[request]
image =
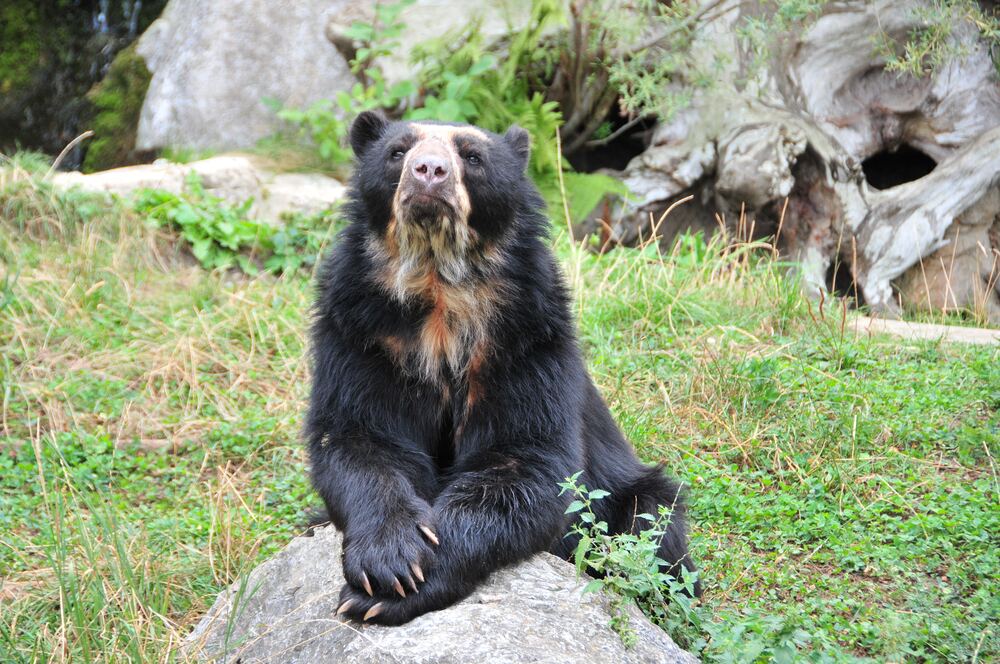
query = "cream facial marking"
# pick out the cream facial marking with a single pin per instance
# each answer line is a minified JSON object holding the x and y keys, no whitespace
{"x":440,"y":139}
{"x":447,"y":132}
{"x":429,"y":258}
{"x":420,"y":237}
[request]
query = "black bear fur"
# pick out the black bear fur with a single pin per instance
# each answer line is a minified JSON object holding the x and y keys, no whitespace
{"x":449,"y":394}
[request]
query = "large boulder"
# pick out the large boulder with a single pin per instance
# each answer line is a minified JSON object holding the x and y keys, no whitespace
{"x":215,"y":63}
{"x":285,"y":611}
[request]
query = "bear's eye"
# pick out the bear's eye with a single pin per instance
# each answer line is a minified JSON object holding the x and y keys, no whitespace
{"x":397,"y":155}
{"x":473,"y":159}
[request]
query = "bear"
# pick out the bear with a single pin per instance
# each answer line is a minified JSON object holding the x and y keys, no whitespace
{"x":449,"y":394}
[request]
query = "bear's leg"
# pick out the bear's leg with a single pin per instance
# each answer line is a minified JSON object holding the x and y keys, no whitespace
{"x":375,"y":495}
{"x":501,"y":508}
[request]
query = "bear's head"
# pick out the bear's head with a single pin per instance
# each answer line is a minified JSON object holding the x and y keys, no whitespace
{"x":438,"y":192}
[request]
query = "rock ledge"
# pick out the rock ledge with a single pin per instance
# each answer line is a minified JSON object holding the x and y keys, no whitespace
{"x":533,"y":612}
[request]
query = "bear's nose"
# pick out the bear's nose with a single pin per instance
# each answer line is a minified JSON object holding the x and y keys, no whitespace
{"x":430,"y":168}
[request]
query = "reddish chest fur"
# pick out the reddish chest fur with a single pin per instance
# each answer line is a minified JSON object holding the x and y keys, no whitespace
{"x":451,"y":333}
{"x":437,"y":335}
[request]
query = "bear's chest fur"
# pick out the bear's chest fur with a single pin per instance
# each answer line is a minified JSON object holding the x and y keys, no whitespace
{"x":450,"y":336}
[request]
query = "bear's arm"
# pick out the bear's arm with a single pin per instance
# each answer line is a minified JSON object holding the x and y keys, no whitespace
{"x":501,"y":504}
{"x":361,"y":430}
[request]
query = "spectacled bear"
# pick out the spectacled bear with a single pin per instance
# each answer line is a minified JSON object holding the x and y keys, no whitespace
{"x":449,"y":394}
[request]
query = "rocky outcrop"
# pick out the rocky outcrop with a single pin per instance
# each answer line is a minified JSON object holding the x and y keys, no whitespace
{"x":215,"y":63}
{"x":284,"y":611}
{"x":234,"y":178}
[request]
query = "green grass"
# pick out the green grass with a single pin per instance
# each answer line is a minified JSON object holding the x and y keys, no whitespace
{"x":841,"y":487}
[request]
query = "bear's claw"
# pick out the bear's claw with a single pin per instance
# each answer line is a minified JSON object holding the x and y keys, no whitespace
{"x":372,"y":612}
{"x":430,"y":535}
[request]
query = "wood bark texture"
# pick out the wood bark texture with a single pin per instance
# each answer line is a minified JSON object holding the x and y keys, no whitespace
{"x":787,"y":150}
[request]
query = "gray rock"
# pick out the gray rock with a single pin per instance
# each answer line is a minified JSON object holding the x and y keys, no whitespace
{"x":534,"y":612}
{"x":213,"y":64}
{"x":234,"y":178}
{"x":308,"y":193}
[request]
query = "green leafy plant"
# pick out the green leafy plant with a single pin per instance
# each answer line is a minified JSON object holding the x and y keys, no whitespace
{"x":217,"y":232}
{"x":300,"y":239}
{"x":377,"y":39}
{"x":223,"y":235}
{"x":454,"y":101}
{"x":628,"y":566}
{"x":326,"y":122}
{"x":325,"y":127}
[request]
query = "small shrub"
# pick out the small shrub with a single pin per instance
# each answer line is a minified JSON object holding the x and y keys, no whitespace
{"x":223,"y":236}
{"x":628,"y":566}
{"x":326,"y":122}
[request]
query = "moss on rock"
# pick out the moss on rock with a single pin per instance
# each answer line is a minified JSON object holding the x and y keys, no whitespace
{"x":20,"y":34}
{"x":117,"y":102}
{"x":51,"y":54}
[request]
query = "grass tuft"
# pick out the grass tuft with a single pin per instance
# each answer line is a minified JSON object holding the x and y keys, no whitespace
{"x":844,"y":491}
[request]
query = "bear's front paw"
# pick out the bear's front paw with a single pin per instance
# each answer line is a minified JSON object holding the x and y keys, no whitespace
{"x":390,"y":557}
{"x":358,"y":605}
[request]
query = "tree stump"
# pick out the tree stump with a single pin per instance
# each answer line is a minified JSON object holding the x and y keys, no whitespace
{"x":890,"y":179}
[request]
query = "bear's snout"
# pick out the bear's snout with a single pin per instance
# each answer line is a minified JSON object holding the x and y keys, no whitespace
{"x":428,"y":189}
{"x":431,"y":169}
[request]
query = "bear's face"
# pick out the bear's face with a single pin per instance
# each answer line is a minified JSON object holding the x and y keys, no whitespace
{"x":440,"y":187}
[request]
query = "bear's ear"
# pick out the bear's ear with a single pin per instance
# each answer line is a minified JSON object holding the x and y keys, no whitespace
{"x":520,"y":143}
{"x":366,"y":129}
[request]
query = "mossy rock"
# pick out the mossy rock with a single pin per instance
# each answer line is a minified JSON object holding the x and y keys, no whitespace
{"x":51,"y":54}
{"x":117,"y":102}
{"x":20,"y":33}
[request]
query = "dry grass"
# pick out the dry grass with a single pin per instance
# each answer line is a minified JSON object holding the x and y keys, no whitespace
{"x":109,"y":329}
{"x":150,"y":415}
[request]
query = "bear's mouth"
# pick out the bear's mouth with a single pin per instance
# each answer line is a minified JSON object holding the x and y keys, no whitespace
{"x":420,"y":205}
